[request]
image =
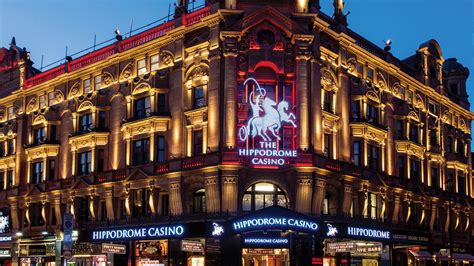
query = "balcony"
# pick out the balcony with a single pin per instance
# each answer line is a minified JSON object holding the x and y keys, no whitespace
{"x":188,"y":163}
{"x":42,"y":150}
{"x":409,"y":147}
{"x":155,"y":122}
{"x":371,"y":122}
{"x":89,"y":139}
{"x":368,"y":131}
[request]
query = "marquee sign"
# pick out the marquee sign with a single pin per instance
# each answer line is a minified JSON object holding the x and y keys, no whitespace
{"x":266,"y":123}
{"x":137,"y":233}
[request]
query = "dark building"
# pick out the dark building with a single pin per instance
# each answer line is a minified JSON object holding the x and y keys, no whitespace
{"x":242,"y":132}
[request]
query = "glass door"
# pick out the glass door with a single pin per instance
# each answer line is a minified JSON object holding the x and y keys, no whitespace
{"x":265,"y":257}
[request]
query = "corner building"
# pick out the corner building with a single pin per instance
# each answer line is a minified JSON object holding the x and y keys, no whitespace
{"x":241,"y":133}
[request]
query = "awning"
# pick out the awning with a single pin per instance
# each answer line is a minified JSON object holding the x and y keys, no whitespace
{"x":463,"y":257}
{"x":421,"y":255}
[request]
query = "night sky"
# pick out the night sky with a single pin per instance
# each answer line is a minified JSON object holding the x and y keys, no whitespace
{"x":46,"y":27}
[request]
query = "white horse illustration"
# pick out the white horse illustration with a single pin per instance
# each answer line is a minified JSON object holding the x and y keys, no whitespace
{"x":259,"y":125}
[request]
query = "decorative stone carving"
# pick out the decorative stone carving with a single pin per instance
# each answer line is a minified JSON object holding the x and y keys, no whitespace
{"x":107,"y":79}
{"x":372,"y":95}
{"x":85,"y":106}
{"x":58,"y":96}
{"x":32,"y":105}
{"x":140,"y":88}
{"x":352,"y":65}
{"x":126,"y":72}
{"x":74,"y":91}
{"x":166,"y":59}
{"x":381,"y":83}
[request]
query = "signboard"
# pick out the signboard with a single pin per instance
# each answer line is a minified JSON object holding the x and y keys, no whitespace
{"x":68,"y":225}
{"x":353,"y":247}
{"x":410,"y":238}
{"x":368,"y":233}
{"x":5,"y":238}
{"x":267,"y":123}
{"x":192,"y":246}
{"x":114,"y":248}
{"x":274,"y":222}
{"x":259,"y":251}
{"x":340,"y":247}
{"x":4,"y":221}
{"x":270,"y":242}
{"x":37,"y":250}
{"x":136,"y":233}
{"x":5,"y":252}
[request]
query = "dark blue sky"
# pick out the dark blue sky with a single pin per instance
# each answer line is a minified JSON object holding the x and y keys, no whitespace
{"x":46,"y":27}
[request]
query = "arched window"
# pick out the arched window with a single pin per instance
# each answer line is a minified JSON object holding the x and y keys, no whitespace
{"x":262,"y":195}
{"x":199,"y":201}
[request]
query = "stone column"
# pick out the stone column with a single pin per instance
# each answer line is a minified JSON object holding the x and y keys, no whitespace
{"x":176,"y":101}
{"x":304,"y":193}
{"x":57,"y":209}
{"x":303,"y":55}
{"x":316,"y":108}
{"x":213,"y":90}
{"x":230,"y":40}
{"x":109,"y":203}
{"x":176,"y":206}
{"x":213,"y":204}
{"x":319,"y":193}
{"x":230,"y":193}
{"x":20,"y":163}
{"x":347,"y":200}
{"x":13,"y":203}
{"x":396,"y":208}
{"x":343,"y":110}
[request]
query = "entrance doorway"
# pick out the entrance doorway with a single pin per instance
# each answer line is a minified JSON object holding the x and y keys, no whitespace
{"x":265,"y":257}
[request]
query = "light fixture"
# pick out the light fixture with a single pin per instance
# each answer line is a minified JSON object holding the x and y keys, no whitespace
{"x":118,"y":35}
{"x":19,"y":234}
{"x":45,"y":233}
{"x":388,"y":45}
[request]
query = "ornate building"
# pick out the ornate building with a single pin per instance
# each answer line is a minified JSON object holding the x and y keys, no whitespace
{"x":241,"y":133}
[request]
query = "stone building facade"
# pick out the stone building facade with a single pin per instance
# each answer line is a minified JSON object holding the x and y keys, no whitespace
{"x":239,"y":109}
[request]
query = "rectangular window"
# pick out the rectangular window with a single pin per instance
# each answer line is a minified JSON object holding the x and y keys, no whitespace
{"x":401,"y":166}
{"x":356,"y":111}
{"x":154,"y":61}
{"x":11,"y":112}
{"x":414,"y":170}
{"x":165,"y":205}
{"x":370,"y":73}
{"x":357,"y":152}
{"x":198,"y":97}
{"x":327,"y":145}
{"x":410,"y":96}
{"x":11,"y":146}
{"x":2,"y":149}
{"x":141,"y":151}
{"x":87,"y":86}
{"x":84,"y":163}
{"x":461,"y":184}
{"x":38,"y":136}
{"x":85,"y":122}
{"x":434,"y":177}
{"x":102,"y":123}
{"x":142,"y":108}
{"x":37,"y":172}
{"x":103,"y":211}
{"x":414,"y":133}
{"x":327,"y":104}
{"x":373,"y":157}
{"x":372,"y":114}
{"x":141,"y":67}
{"x":83,"y":209}
{"x":35,"y":214}
{"x":42,"y":101}
{"x":51,"y":169}
{"x":373,"y":206}
{"x":400,"y":129}
{"x":51,"y":98}
{"x":449,"y":144}
{"x":360,"y":69}
{"x":2,"y":180}
{"x":161,"y":103}
{"x":100,"y":160}
{"x":433,"y":108}
{"x":9,"y":181}
{"x":326,"y":206}
{"x":197,"y":142}
{"x":97,"y":82}
{"x":160,"y":149}
{"x":52,"y":133}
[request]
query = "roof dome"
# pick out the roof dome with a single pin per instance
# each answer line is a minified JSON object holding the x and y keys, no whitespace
{"x":451,"y":65}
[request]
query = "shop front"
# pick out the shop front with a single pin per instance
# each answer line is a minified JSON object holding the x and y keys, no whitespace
{"x":6,"y":250}
{"x":37,"y":253}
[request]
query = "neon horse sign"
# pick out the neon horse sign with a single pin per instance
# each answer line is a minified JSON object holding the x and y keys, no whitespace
{"x":271,"y":121}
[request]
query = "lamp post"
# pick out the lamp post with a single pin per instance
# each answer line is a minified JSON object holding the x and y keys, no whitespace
{"x":449,"y":186}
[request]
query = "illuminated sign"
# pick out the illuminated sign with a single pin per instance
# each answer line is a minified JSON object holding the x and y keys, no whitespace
{"x":5,"y":252}
{"x":4,"y":221}
{"x":155,"y":232}
{"x":332,"y":231}
{"x":266,"y":242}
{"x":353,"y":247}
{"x":266,"y":123}
{"x":217,"y":230}
{"x":192,"y":246}
{"x":5,"y":238}
{"x":274,"y":223}
{"x":114,"y":248}
{"x":365,"y":232}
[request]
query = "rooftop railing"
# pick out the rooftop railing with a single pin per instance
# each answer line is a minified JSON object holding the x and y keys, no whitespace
{"x":94,"y":55}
